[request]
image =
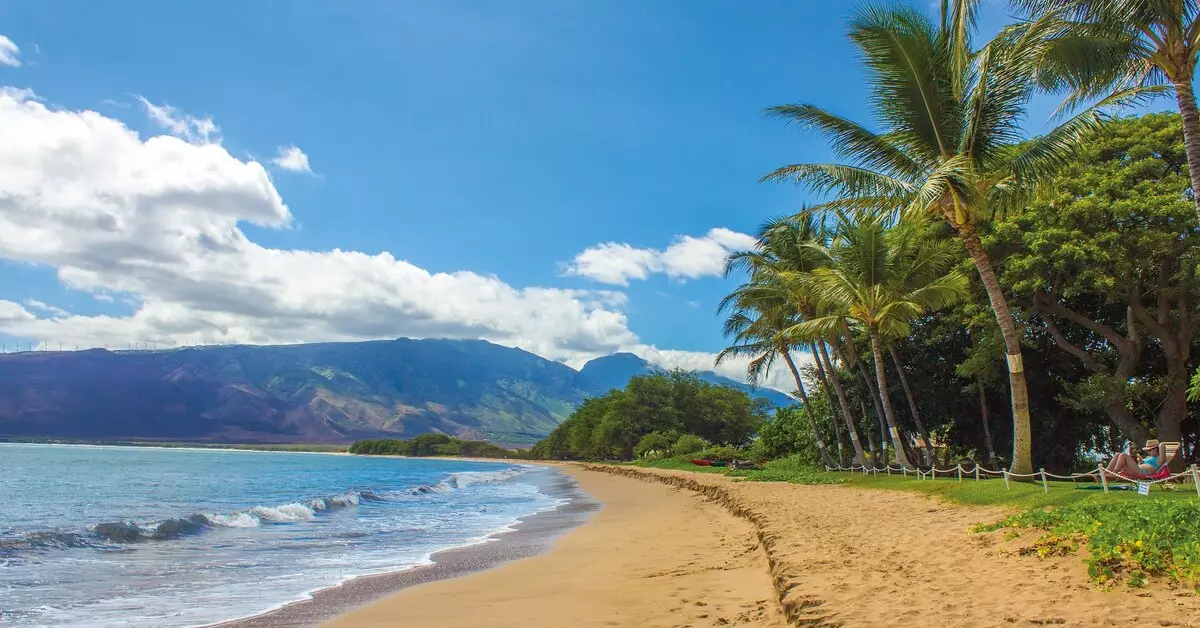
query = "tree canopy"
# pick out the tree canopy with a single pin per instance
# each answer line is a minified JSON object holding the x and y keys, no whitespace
{"x":609,"y":427}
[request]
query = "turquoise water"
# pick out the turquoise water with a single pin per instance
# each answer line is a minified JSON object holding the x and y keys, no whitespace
{"x":129,"y":536}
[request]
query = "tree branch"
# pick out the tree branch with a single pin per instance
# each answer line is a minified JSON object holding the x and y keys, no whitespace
{"x":1143,"y":316}
{"x":1045,"y":304}
{"x":1089,"y":362}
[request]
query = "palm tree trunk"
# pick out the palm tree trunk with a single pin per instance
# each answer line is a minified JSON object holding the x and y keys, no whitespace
{"x":875,"y":455}
{"x":987,"y":431}
{"x":879,"y":415}
{"x":812,"y":420}
{"x":826,"y":367}
{"x":850,"y":355}
{"x":1186,"y":99}
{"x":839,"y":432}
{"x":877,"y":351}
{"x":1022,"y":452}
{"x":912,"y":404}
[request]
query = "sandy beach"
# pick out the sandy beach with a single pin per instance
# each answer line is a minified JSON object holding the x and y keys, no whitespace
{"x":683,"y":549}
{"x":652,"y":556}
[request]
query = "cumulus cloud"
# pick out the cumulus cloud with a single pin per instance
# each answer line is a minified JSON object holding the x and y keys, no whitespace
{"x":155,"y":222}
{"x":179,"y":124}
{"x":158,"y":218}
{"x":293,"y":159}
{"x":10,"y":54}
{"x":688,"y":257}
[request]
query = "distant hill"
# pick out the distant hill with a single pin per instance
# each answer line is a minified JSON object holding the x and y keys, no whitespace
{"x":313,"y":393}
{"x":613,"y":371}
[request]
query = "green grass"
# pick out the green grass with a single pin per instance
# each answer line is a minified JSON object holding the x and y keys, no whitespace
{"x":1019,"y":494}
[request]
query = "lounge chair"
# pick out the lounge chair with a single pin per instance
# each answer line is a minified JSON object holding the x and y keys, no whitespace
{"x":1166,"y":454}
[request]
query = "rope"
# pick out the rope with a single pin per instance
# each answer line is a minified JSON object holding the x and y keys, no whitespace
{"x":1192,"y":473}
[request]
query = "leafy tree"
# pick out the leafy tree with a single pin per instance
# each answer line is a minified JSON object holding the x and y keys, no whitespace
{"x":1107,"y":260}
{"x":949,"y":114}
{"x":788,"y":432}
{"x":612,"y":426}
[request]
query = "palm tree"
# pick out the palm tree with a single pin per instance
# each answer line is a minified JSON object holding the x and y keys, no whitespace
{"x":949,"y":115}
{"x":880,"y":279}
{"x":759,"y":313}
{"x":1120,"y":51}
{"x":912,"y":404}
{"x":792,"y":247}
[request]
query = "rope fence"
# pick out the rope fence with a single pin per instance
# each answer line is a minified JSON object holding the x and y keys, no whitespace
{"x":977,"y":472}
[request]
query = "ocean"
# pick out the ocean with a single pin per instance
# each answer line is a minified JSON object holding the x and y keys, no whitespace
{"x":136,"y":536}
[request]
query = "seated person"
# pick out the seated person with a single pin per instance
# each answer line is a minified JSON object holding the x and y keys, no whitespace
{"x":1127,"y":466}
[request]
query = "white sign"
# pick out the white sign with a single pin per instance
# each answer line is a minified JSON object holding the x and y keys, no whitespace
{"x":1143,"y":488}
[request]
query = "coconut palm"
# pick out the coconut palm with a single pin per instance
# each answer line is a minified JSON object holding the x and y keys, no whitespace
{"x":758,"y":314}
{"x":793,"y":247}
{"x":912,"y":404}
{"x":1121,"y":51}
{"x":949,"y":116}
{"x":880,"y":279}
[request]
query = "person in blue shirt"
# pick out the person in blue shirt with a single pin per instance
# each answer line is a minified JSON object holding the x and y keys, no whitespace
{"x":1127,"y":466}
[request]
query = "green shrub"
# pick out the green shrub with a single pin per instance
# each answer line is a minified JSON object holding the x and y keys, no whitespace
{"x":797,"y":469}
{"x":688,"y":444}
{"x":656,"y":444}
{"x":722,"y":452}
{"x":1126,"y":540}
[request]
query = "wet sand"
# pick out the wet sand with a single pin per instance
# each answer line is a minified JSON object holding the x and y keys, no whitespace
{"x":531,"y":536}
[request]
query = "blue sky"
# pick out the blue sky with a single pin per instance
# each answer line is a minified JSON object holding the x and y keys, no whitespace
{"x":495,"y":138}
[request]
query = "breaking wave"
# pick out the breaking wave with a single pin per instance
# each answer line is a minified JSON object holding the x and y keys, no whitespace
{"x":111,"y":535}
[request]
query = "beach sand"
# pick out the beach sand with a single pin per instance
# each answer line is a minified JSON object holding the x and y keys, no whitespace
{"x":687,"y":549}
{"x":652,"y":556}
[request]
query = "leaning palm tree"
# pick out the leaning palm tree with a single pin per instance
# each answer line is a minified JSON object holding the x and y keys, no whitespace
{"x":949,"y":116}
{"x":1121,"y":51}
{"x":758,"y":314}
{"x":793,"y":247}
{"x":881,"y":279}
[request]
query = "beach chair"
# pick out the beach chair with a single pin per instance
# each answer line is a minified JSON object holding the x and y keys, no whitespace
{"x":1166,"y":454}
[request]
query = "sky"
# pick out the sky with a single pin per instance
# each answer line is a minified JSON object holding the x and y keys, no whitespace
{"x":563,"y":176}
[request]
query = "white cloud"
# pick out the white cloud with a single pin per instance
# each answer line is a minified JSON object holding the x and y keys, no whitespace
{"x":179,"y":124}
{"x":688,"y":257}
{"x":293,"y":159}
{"x":155,"y":221}
{"x":10,"y":54}
{"x":614,"y":263}
{"x":158,"y":219}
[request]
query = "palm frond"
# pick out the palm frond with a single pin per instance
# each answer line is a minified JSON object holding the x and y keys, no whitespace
{"x":850,"y":140}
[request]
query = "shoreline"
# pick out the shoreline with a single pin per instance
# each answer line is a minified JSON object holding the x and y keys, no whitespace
{"x":529,"y":536}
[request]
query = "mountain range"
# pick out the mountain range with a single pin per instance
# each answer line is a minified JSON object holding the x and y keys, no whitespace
{"x":308,"y":393}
